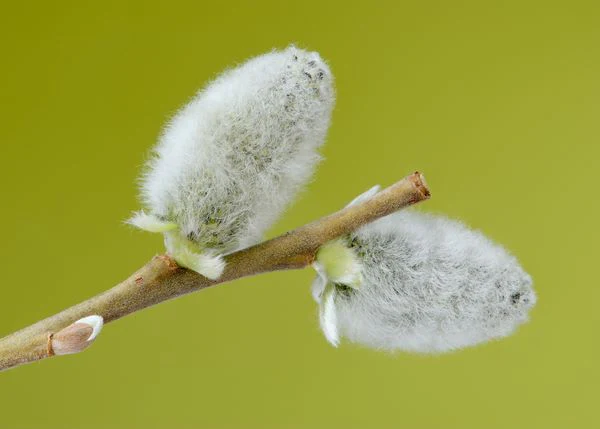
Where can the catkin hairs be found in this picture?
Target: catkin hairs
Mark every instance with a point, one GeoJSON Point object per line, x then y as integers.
{"type": "Point", "coordinates": [232, 159]}
{"type": "Point", "coordinates": [428, 284]}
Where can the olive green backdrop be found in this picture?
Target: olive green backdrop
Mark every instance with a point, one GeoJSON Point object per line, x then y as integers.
{"type": "Point", "coordinates": [497, 103]}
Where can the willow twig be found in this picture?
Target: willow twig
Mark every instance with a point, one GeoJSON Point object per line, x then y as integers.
{"type": "Point", "coordinates": [162, 279]}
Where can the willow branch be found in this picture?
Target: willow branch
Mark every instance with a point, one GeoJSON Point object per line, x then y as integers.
{"type": "Point", "coordinates": [162, 279]}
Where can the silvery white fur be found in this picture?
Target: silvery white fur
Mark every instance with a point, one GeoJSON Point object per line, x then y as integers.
{"type": "Point", "coordinates": [235, 156]}
{"type": "Point", "coordinates": [429, 284]}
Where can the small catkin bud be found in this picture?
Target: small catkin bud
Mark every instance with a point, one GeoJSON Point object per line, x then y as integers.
{"type": "Point", "coordinates": [235, 156]}
{"type": "Point", "coordinates": [76, 337]}
{"type": "Point", "coordinates": [429, 285]}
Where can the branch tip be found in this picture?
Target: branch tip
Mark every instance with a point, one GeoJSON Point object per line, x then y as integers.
{"type": "Point", "coordinates": [419, 181]}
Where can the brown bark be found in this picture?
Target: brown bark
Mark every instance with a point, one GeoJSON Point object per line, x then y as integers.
{"type": "Point", "coordinates": [162, 279]}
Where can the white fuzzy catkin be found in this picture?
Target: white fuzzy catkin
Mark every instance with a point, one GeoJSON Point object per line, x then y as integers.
{"type": "Point", "coordinates": [235, 156]}
{"type": "Point", "coordinates": [429, 285]}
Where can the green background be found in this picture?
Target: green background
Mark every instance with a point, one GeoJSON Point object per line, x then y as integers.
{"type": "Point", "coordinates": [498, 103]}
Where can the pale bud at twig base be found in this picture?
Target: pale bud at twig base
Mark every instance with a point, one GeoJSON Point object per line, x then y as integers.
{"type": "Point", "coordinates": [75, 337]}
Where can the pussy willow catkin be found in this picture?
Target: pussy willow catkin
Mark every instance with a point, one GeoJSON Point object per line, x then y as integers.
{"type": "Point", "coordinates": [422, 283]}
{"type": "Point", "coordinates": [236, 155]}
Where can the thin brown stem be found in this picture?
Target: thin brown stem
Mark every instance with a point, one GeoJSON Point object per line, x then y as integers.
{"type": "Point", "coordinates": [162, 279]}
